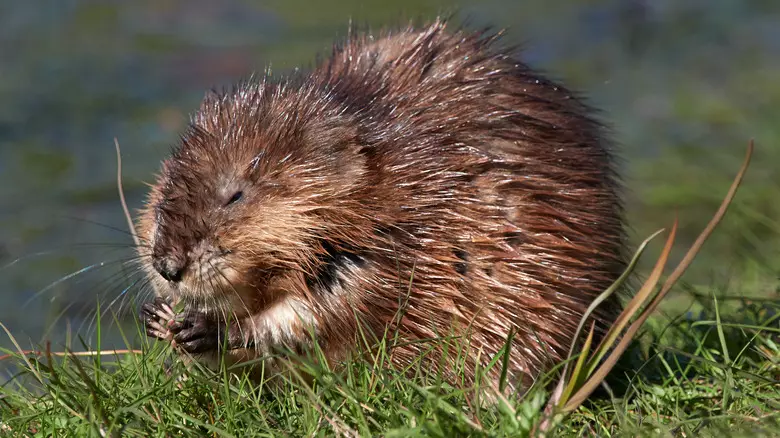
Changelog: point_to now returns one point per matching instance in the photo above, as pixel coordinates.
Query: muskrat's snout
(193, 269)
(170, 268)
(168, 258)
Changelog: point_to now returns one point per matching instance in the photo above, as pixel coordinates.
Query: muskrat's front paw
(157, 316)
(196, 333)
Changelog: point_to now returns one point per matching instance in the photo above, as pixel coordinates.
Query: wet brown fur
(425, 155)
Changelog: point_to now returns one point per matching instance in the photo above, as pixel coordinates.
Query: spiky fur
(425, 163)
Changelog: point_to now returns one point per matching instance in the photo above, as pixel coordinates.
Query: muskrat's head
(261, 179)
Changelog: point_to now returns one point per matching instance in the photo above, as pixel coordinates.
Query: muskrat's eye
(236, 196)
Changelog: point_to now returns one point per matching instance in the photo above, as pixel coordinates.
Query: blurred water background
(684, 85)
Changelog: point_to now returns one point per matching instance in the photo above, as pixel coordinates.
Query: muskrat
(416, 185)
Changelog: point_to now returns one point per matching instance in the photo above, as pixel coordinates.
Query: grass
(713, 372)
(717, 374)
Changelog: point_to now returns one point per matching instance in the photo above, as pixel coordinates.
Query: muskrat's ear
(351, 161)
(342, 144)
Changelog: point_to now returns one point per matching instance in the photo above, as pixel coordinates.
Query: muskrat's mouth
(211, 287)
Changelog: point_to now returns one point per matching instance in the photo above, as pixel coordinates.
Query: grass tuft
(712, 374)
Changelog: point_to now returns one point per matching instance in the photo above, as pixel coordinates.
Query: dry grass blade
(686, 261)
(122, 194)
(606, 367)
(636, 303)
(76, 353)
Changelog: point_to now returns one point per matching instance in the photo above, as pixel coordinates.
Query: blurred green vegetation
(683, 85)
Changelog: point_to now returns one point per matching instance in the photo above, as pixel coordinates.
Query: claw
(165, 309)
(193, 332)
(156, 316)
(196, 333)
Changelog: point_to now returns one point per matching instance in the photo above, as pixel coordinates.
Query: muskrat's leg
(197, 332)
(157, 316)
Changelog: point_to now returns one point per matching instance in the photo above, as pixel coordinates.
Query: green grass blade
(576, 373)
(608, 292)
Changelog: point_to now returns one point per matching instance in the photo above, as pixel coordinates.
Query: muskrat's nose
(169, 268)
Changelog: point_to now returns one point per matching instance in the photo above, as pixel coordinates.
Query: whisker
(145, 293)
(99, 224)
(107, 244)
(246, 308)
(219, 306)
(121, 295)
(54, 321)
(62, 280)
(114, 278)
(26, 257)
(109, 284)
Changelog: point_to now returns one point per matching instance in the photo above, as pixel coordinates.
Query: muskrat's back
(462, 193)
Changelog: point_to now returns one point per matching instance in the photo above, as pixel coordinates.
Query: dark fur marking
(515, 239)
(461, 267)
(326, 278)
